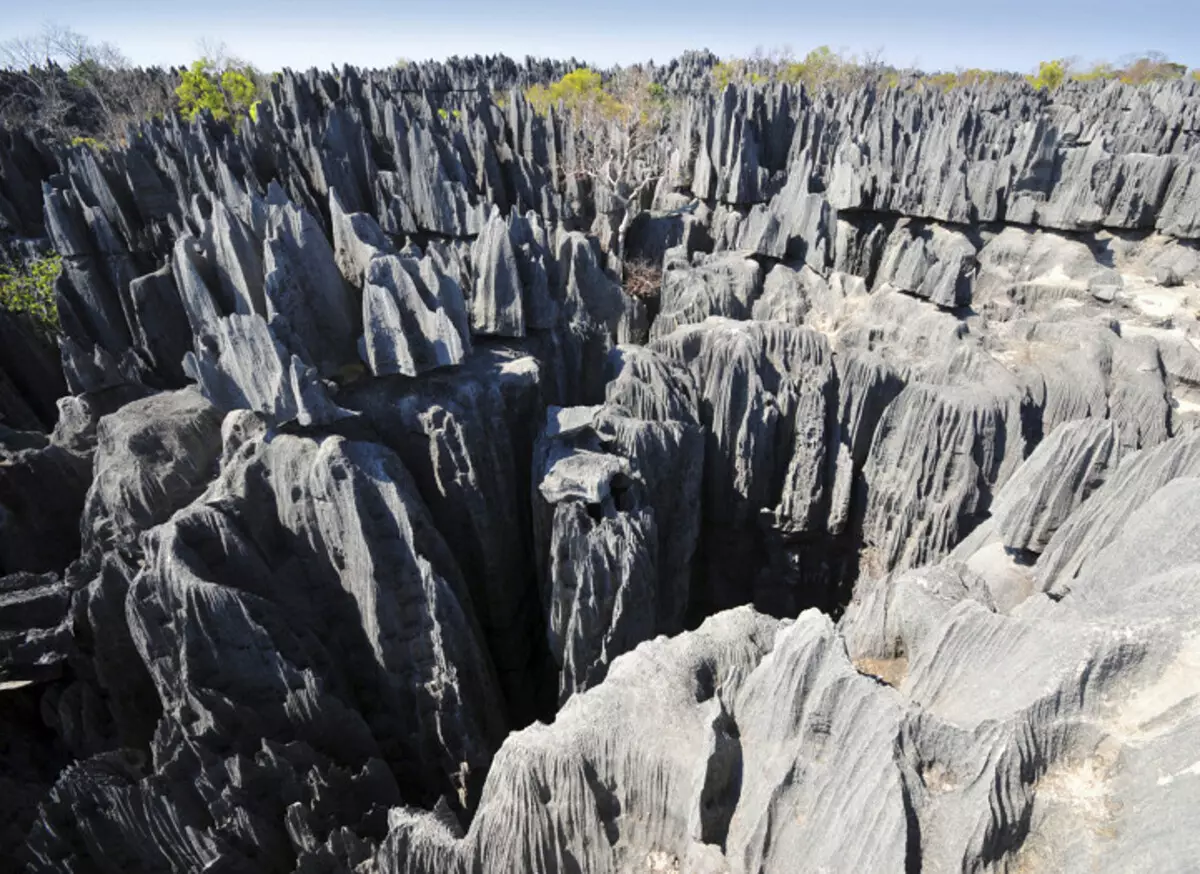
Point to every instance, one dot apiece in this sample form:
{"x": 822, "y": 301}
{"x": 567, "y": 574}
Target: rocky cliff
{"x": 367, "y": 521}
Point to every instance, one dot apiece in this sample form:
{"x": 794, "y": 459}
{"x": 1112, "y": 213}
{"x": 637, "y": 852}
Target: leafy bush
{"x": 226, "y": 93}
{"x": 1050, "y": 75}
{"x": 723, "y": 73}
{"x": 819, "y": 66}
{"x": 91, "y": 142}
{"x": 615, "y": 127}
{"x": 960, "y": 79}
{"x": 578, "y": 90}
{"x": 31, "y": 290}
{"x": 1151, "y": 67}
{"x": 447, "y": 114}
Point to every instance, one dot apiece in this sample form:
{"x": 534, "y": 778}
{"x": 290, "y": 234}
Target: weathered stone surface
{"x": 153, "y": 457}
{"x": 726, "y": 285}
{"x": 940, "y": 346}
{"x": 409, "y": 326}
{"x": 35, "y": 627}
{"x": 467, "y": 437}
{"x": 1081, "y": 538}
{"x": 1067, "y": 467}
{"x": 796, "y": 225}
{"x": 931, "y": 262}
{"x": 247, "y": 364}
{"x": 619, "y": 513}
{"x": 303, "y": 285}
{"x": 766, "y": 400}
{"x": 658, "y": 729}
{"x": 926, "y": 492}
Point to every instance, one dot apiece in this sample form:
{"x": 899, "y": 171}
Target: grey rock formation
{"x": 766, "y": 400}
{"x": 409, "y": 326}
{"x": 1066, "y": 468}
{"x": 667, "y": 697}
{"x": 247, "y": 364}
{"x": 303, "y": 285}
{"x": 153, "y": 457}
{"x": 726, "y": 285}
{"x": 926, "y": 360}
{"x": 497, "y": 299}
{"x": 931, "y": 262}
{"x": 1078, "y": 542}
{"x": 35, "y": 628}
{"x": 467, "y": 437}
{"x": 795, "y": 225}
{"x": 618, "y": 506}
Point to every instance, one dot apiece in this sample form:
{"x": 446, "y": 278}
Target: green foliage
{"x": 447, "y": 114}
{"x": 85, "y": 72}
{"x": 239, "y": 88}
{"x": 737, "y": 71}
{"x": 1151, "y": 67}
{"x": 724, "y": 73}
{"x": 579, "y": 89}
{"x": 198, "y": 90}
{"x": 819, "y": 66}
{"x": 253, "y": 111}
{"x": 91, "y": 142}
{"x": 226, "y": 94}
{"x": 1196, "y": 75}
{"x": 1050, "y": 75}
{"x": 31, "y": 290}
{"x": 1102, "y": 71}
{"x": 959, "y": 79}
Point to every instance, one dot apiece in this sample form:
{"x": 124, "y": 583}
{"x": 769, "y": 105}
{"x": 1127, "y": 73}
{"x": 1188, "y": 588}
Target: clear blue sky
{"x": 931, "y": 34}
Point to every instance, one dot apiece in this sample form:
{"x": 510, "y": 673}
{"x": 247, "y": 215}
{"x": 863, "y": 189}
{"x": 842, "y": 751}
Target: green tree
{"x": 819, "y": 66}
{"x": 615, "y": 128}
{"x": 1050, "y": 75}
{"x": 227, "y": 94}
{"x": 581, "y": 89}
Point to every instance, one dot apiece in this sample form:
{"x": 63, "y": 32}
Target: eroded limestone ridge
{"x": 367, "y": 516}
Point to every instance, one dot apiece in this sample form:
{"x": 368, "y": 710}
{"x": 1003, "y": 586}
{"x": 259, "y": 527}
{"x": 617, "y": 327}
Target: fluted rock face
{"x": 375, "y": 567}
{"x": 153, "y": 457}
{"x": 397, "y": 307}
{"x": 925, "y": 494}
{"x": 930, "y": 262}
{"x": 655, "y": 736}
{"x": 374, "y": 451}
{"x": 766, "y": 401}
{"x": 35, "y": 627}
{"x": 467, "y": 438}
{"x": 351, "y": 695}
{"x": 1068, "y": 465}
{"x": 302, "y": 284}
{"x": 620, "y": 515}
{"x": 727, "y": 286}
{"x": 1077, "y": 542}
{"x": 247, "y": 364}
